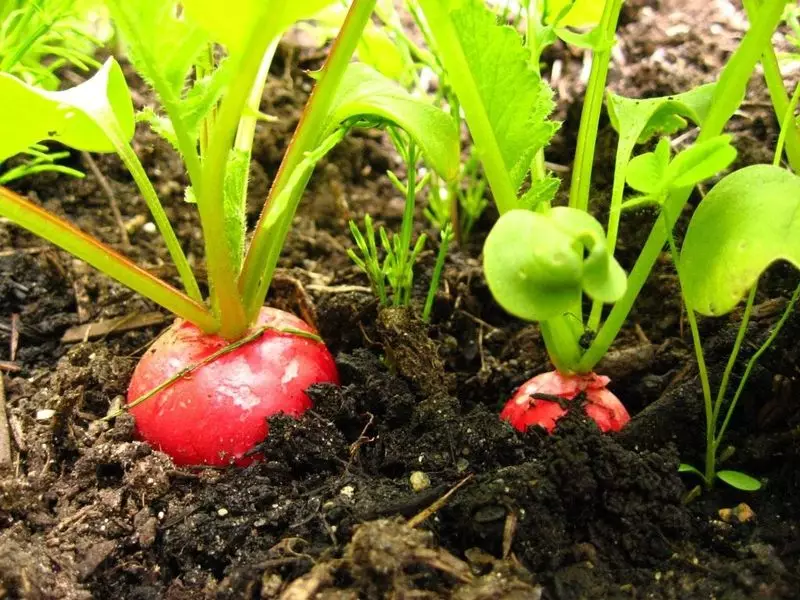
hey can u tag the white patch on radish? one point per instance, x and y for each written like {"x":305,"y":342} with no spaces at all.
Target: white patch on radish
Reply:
{"x":290,"y":374}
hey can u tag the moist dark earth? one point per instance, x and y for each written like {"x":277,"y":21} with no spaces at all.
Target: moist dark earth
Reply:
{"x":402,"y":483}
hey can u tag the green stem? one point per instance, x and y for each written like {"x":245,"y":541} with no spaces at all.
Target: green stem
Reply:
{"x":727,"y":98}
{"x":446,"y":238}
{"x":134,"y":166}
{"x":407,"y":226}
{"x":247,"y":125}
{"x":787,"y":124}
{"x":462,"y":81}
{"x":256,"y":269}
{"x":102,"y":257}
{"x":711,"y":454}
{"x":752,"y":363}
{"x":737,"y":346}
{"x":561,"y":343}
{"x":623,"y":157}
{"x":593,"y":105}
{"x":777,"y":92}
{"x":221,"y":272}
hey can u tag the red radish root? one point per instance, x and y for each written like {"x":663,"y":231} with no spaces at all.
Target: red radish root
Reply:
{"x":530,"y":405}
{"x":218,"y":412}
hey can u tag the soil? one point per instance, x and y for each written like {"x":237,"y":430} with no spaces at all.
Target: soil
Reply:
{"x":401,"y":483}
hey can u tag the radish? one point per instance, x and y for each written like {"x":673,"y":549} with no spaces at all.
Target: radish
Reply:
{"x":219,"y":412}
{"x":205,"y":390}
{"x":546,"y":398}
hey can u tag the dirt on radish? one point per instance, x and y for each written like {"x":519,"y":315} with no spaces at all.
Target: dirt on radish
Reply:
{"x":337,"y":508}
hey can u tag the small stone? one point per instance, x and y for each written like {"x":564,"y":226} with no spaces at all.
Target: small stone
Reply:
{"x":222,"y":512}
{"x":149,"y":227}
{"x":741,"y":513}
{"x":45,"y":414}
{"x":419,"y":481}
{"x":347,"y":491}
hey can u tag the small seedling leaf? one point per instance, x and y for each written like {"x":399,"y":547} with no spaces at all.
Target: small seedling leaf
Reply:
{"x":636,"y":121}
{"x":365,"y":92}
{"x":686,"y":468}
{"x":700,"y":161}
{"x":749,"y":220}
{"x":535,"y":264}
{"x":646,"y":172}
{"x":79,"y":117}
{"x":739,"y":480}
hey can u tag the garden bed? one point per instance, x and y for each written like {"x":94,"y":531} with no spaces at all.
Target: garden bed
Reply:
{"x":402,"y":483}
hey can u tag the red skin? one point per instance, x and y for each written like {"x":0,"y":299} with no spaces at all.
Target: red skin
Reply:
{"x":217,"y":413}
{"x":523,"y":411}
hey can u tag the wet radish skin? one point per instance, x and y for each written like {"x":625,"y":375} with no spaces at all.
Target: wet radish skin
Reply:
{"x":602,"y":406}
{"x":219,"y":412}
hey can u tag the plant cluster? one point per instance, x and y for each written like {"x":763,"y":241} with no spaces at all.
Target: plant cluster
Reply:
{"x":553,"y":264}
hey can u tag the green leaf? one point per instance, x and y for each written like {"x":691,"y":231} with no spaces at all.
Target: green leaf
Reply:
{"x":636,"y":121}
{"x":740,"y":481}
{"x":541,"y":193}
{"x":749,"y":220}
{"x":535,"y":264}
{"x":647,"y":171}
{"x":584,"y":13}
{"x":224,"y":22}
{"x":516,"y":100}
{"x":505,"y":102}
{"x":686,"y":468}
{"x":78,"y":117}
{"x":365,"y":92}
{"x":701,"y":161}
{"x":162,"y":45}
{"x":160,"y":125}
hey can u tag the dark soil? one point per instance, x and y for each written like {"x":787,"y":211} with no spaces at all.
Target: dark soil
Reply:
{"x":403,"y":483}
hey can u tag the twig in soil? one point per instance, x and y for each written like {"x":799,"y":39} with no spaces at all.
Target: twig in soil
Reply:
{"x":15,"y":251}
{"x":362,"y":439}
{"x":9,"y":367}
{"x":509,"y":531}
{"x":83,"y":333}
{"x":338,"y":289}
{"x":112,"y":199}
{"x":305,"y":304}
{"x":437,"y":506}
{"x":5,"y":431}
{"x":14,"y":344}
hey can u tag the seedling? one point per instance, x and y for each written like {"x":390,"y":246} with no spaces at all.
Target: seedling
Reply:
{"x":748,"y":221}
{"x":542,"y":261}
{"x":246,"y":362}
{"x":395,"y":272}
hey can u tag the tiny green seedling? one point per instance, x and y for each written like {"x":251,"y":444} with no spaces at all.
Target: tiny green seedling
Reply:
{"x":396,"y":271}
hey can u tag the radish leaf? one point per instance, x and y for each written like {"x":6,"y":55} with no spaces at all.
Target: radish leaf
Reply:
{"x":538,"y":264}
{"x":749,"y":220}
{"x":505,"y":102}
{"x":365,"y":92}
{"x":91,"y":116}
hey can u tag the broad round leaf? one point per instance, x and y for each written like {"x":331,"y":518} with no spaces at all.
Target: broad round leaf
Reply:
{"x":77,"y":117}
{"x":740,"y":481}
{"x":535,"y":264}
{"x":749,"y":220}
